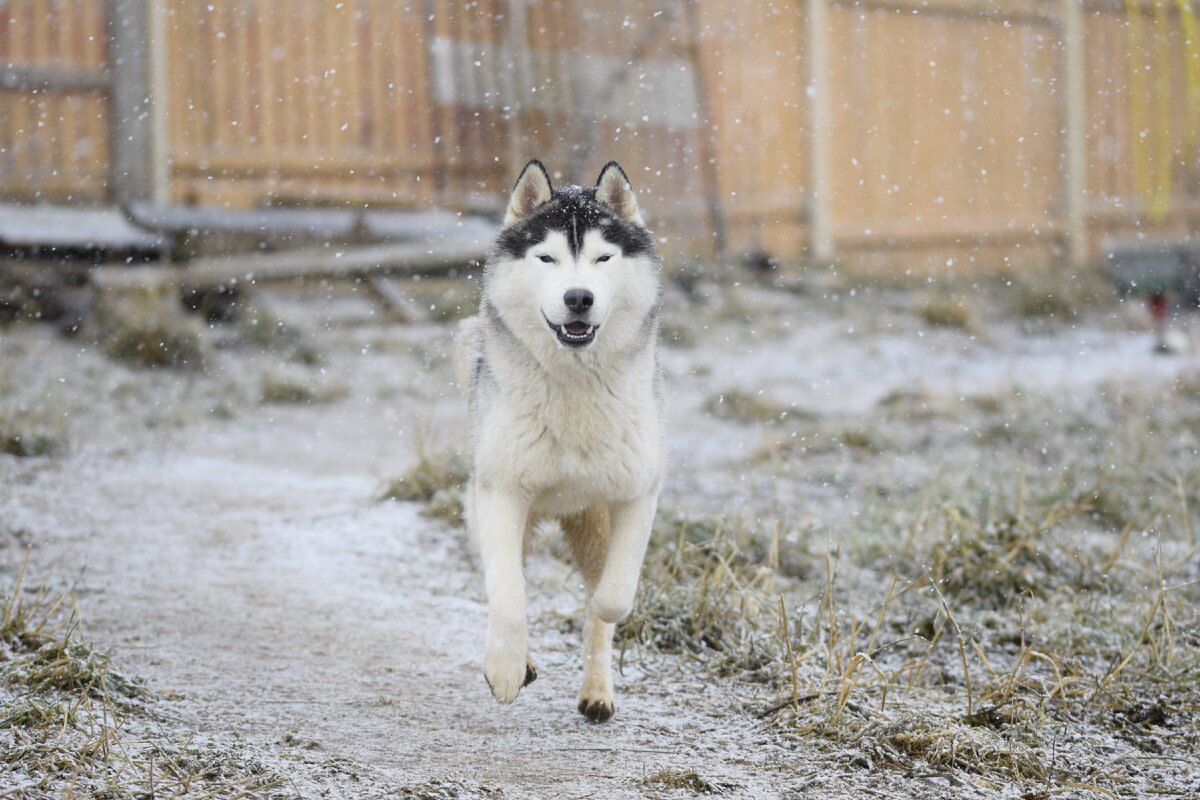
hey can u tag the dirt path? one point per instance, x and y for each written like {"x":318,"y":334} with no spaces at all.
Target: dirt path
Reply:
{"x":254,"y":574}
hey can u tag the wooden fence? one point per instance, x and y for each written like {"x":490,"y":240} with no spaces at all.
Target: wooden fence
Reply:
{"x":54,"y":82}
{"x":893,"y":133}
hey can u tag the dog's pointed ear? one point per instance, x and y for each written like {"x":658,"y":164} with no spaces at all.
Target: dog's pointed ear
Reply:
{"x":532,"y":190}
{"x":614,"y":190}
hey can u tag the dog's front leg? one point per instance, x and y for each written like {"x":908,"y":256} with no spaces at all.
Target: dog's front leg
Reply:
{"x":631,"y":523}
{"x":501,"y":520}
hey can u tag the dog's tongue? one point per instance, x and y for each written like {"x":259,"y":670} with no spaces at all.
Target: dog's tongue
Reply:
{"x":576,"y":328}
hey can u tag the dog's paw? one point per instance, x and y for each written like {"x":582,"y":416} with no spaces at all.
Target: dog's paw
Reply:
{"x":506,"y":669}
{"x":596,"y":696}
{"x":598,"y":708}
{"x":530,"y":672}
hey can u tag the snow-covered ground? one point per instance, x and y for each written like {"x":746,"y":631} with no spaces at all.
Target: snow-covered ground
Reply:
{"x":236,"y":554}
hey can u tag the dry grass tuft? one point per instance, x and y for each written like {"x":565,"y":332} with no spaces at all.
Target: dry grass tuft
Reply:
{"x":438,"y":480}
{"x":946,"y":311}
{"x":950,"y":744}
{"x":295,"y":387}
{"x":1051,"y":295}
{"x":683,"y":780}
{"x":154,"y":344}
{"x":991,"y":563}
{"x":446,"y":299}
{"x":444,"y":789}
{"x":27,"y":445}
{"x":257,"y":325}
{"x":705,"y":594}
{"x":677,"y":333}
{"x":736,"y":405}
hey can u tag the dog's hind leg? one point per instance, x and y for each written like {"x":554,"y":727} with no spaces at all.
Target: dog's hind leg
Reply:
{"x":587,"y":533}
{"x":502,"y":520}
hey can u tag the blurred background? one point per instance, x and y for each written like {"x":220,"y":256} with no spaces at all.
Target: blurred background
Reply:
{"x":891,"y":134}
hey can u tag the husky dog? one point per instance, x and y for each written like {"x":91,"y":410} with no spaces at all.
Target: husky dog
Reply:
{"x":565,"y":411}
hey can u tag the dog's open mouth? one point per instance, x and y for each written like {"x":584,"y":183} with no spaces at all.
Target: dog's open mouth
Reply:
{"x":574,"y":334}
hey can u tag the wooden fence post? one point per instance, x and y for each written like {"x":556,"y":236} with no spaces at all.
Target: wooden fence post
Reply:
{"x":706,"y":140}
{"x":1075,"y":133}
{"x":159,"y":153}
{"x":128,"y":38}
{"x":820,"y":231}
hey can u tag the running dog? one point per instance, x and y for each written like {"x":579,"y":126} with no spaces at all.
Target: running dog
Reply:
{"x":565,"y":409}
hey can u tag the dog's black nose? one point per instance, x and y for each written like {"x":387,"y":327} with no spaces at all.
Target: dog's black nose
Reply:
{"x":578,"y":300}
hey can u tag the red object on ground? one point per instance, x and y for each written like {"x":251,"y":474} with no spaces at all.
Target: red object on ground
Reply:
{"x":1158,"y":307}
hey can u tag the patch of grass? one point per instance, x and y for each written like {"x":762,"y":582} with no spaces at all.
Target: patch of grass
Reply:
{"x":47,"y":658}
{"x":704,"y":594}
{"x":445,"y":299}
{"x":70,"y":721}
{"x":154,"y":344}
{"x":846,"y":436}
{"x":683,"y":780}
{"x":70,"y":667}
{"x":282,"y":391}
{"x":995,"y":562}
{"x":447,"y":505}
{"x":258,"y":325}
{"x":27,"y":445}
{"x":1034,"y":302}
{"x":946,"y":311}
{"x":677,"y":334}
{"x":1010,"y":615}
{"x":948,"y":743}
{"x":743,"y":407}
{"x":296,"y":388}
{"x":438,"y":480}
{"x":446,"y":789}
{"x":38,"y":713}
{"x":1056,"y":294}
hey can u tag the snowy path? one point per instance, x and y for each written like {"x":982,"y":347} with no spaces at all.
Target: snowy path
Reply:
{"x":252,"y":572}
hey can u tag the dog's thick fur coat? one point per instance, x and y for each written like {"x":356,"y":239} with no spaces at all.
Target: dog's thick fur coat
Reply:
{"x":565,"y":411}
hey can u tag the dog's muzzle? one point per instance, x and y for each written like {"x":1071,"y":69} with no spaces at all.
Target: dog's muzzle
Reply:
{"x":575,"y":335}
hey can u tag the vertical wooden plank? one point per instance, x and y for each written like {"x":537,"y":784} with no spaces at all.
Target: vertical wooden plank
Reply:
{"x":132,"y":140}
{"x":69,"y":133}
{"x":237,"y":63}
{"x":268,"y":31}
{"x":306,"y":109}
{"x":217,"y":52}
{"x":707,"y":146}
{"x":820,"y":233}
{"x":97,"y":110}
{"x":158,"y":88}
{"x":1074,"y":133}
{"x":420,"y":131}
{"x":187,"y":105}
{"x":7,"y":136}
{"x":331,"y":111}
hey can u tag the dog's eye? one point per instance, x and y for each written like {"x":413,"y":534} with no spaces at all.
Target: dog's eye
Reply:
{"x":546,"y":259}
{"x":602,"y":259}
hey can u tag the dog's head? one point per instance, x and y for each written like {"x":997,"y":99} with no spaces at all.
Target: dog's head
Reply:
{"x":574,"y":266}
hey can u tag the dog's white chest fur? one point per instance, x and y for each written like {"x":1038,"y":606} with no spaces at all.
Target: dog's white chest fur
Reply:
{"x":573,"y":438}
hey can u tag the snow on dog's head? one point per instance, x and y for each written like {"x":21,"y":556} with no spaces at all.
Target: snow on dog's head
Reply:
{"x":574,"y":266}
